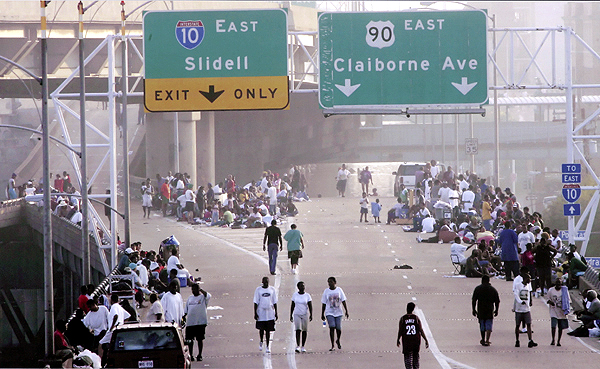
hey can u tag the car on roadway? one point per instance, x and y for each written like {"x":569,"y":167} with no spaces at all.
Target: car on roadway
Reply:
{"x":406,"y":174}
{"x":148,"y":345}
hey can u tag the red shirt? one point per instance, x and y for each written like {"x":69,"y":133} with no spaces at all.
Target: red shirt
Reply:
{"x":58,"y":185}
{"x":81,"y":301}
{"x":527,"y":258}
{"x":165,"y":190}
{"x":60,"y":342}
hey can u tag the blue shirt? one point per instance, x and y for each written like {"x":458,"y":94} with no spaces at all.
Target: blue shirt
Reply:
{"x":375,"y":207}
{"x":508,"y":241}
{"x":293,"y":237}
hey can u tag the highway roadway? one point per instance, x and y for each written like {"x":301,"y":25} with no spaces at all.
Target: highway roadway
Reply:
{"x":362,"y":257}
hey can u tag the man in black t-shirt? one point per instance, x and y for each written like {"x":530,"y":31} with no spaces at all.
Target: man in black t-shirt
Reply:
{"x":411,"y":331}
{"x":485,"y":303}
{"x":273,"y":239}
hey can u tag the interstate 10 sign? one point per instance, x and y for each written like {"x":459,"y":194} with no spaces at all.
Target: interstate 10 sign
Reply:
{"x":403,"y":59}
{"x":215,"y":60}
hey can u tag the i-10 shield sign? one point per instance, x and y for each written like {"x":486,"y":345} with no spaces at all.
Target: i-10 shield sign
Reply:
{"x":571,"y":192}
{"x":189,"y":33}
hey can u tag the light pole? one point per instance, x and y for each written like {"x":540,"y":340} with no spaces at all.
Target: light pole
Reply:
{"x":496,"y":111}
{"x":47,"y":220}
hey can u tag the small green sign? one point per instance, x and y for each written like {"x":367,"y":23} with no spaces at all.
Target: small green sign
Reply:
{"x":403,"y":59}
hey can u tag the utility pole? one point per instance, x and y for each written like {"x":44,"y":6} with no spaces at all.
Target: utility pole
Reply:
{"x":47,"y":220}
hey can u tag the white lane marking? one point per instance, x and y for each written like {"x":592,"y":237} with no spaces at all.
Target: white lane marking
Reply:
{"x":442,"y":359}
{"x":267,"y":364}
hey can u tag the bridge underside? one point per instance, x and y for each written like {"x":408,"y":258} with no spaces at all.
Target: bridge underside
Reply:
{"x":22,"y":282}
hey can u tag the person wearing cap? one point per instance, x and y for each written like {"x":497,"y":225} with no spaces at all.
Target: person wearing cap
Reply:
{"x":517,"y":213}
{"x":124,"y":261}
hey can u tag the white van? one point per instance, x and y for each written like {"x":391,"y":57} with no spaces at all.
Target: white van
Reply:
{"x":406,"y":174}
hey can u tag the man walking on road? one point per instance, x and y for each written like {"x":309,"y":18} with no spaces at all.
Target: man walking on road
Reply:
{"x":523,"y":303}
{"x":272,"y":239}
{"x":195,"y":311}
{"x":265,"y":311}
{"x":332,"y":299}
{"x":410,"y":332}
{"x":485,"y":303}
{"x":300,"y":314}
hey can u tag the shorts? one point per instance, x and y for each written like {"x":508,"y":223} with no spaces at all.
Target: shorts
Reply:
{"x":266,"y":325}
{"x":523,"y":317}
{"x":301,"y":322}
{"x":146,"y":201}
{"x":189,"y":206}
{"x":364,"y":211}
{"x":195,"y":331}
{"x":561,"y":323}
{"x":486,"y":324}
{"x":334,"y":321}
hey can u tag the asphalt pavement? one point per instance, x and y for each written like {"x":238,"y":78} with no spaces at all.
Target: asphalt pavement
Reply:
{"x":362,"y":257}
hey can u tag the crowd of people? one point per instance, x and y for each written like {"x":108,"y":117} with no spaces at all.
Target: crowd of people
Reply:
{"x":140,"y":276}
{"x":226,"y":203}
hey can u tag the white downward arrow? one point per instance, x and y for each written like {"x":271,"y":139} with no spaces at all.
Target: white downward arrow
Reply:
{"x":347,"y":88}
{"x":464,"y":87}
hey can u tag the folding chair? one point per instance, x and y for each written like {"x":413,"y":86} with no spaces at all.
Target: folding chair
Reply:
{"x":456,"y":263}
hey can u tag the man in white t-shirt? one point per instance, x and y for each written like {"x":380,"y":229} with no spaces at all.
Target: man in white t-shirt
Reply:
{"x":523,"y":238}
{"x":174,"y":263}
{"x":444,"y":193}
{"x":272,"y":194}
{"x":196,"y":322}
{"x":454,"y":197}
{"x":172,"y":304}
{"x":428,"y":224}
{"x":96,"y":320}
{"x":331,"y":309}
{"x":265,"y":311}
{"x":156,"y":313}
{"x":342,"y":178}
{"x":523,"y":302}
{"x":116,"y":317}
{"x":459,"y":249}
{"x":301,"y":314}
{"x":468,"y":197}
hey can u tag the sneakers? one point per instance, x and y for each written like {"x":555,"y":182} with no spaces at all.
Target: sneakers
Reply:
{"x":419,"y":239}
{"x":531,"y":344}
{"x":260,"y":345}
{"x":297,"y":349}
{"x":199,"y":358}
{"x":304,"y":350}
{"x":268,"y":350}
{"x":523,"y":330}
{"x":517,"y":344}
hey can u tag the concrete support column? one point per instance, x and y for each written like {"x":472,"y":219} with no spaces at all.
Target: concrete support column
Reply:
{"x":205,"y":153}
{"x":187,"y":144}
{"x":160,"y":147}
{"x":159,"y":144}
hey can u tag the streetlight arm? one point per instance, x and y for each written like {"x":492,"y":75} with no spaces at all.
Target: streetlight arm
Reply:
{"x":39,"y":79}
{"x":40,"y":132}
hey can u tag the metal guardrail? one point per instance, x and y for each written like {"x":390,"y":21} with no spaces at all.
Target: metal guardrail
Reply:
{"x":102,"y":289}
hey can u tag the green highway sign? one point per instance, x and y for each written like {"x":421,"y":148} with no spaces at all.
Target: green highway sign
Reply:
{"x":215,"y":60}
{"x":403,"y":59}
